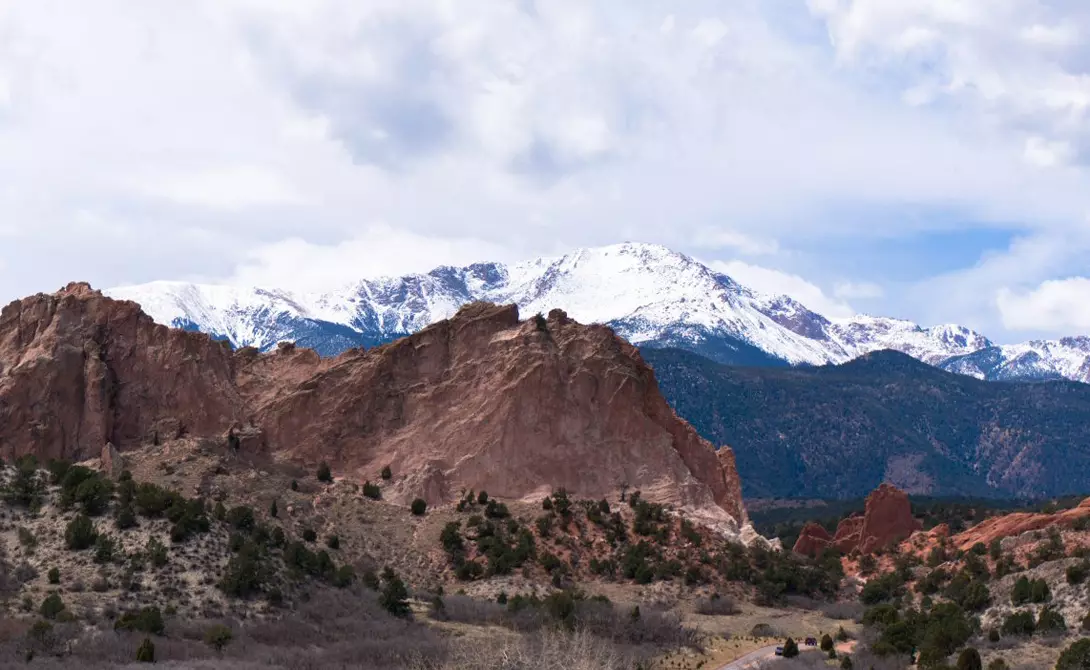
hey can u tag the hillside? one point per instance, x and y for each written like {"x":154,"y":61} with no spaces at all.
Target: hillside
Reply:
{"x":838,"y":431}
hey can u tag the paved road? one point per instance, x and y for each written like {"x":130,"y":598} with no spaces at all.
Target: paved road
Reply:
{"x":750,"y":660}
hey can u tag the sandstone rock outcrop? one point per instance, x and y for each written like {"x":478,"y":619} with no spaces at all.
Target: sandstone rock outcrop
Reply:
{"x":479,"y":401}
{"x":886,"y":521}
{"x":1011,"y":525}
{"x":813,"y":540}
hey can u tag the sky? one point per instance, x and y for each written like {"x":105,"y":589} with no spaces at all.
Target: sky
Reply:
{"x":927,"y":160}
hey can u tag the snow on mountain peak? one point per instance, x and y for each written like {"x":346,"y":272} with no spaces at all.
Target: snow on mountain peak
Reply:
{"x":650,"y":294}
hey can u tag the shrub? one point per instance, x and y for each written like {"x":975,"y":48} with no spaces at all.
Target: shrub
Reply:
{"x":482,"y":498}
{"x":993,"y":635}
{"x":1021,"y":592}
{"x":26,"y":538}
{"x":790,"y":649}
{"x":846,"y":663}
{"x":333,"y":542}
{"x":998,"y":664}
{"x":219,"y":512}
{"x":1019,"y":623}
{"x":54,"y":575}
{"x":1075,"y":657}
{"x":241,"y":517}
{"x":1039,"y":592}
{"x":372,"y":491}
{"x":419,"y":507}
{"x":394,"y":597}
{"x":245,"y":573}
{"x":272,"y":510}
{"x":324,"y":475}
{"x":80,"y":533}
{"x":156,"y":552}
{"x":218,"y":637}
{"x":126,"y":517}
{"x":104,"y":549}
{"x":969,"y":658}
{"x":386,"y":474}
{"x":841,"y":634}
{"x":145,"y":653}
{"x":51,"y":606}
{"x":25,"y":487}
{"x":344,"y":576}
{"x":309,"y":535}
{"x":294,"y":485}
{"x":1076,"y":574}
{"x":1050,"y":621}
{"x":145,"y":620}
{"x":826,"y":642}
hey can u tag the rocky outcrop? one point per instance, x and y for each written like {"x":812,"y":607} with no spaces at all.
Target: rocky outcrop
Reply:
{"x":813,"y":540}
{"x":78,"y":370}
{"x":886,"y":521}
{"x":481,"y":401}
{"x":1011,"y":525}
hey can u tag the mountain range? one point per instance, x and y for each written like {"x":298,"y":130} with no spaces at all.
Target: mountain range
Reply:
{"x":838,"y":431}
{"x":650,"y":295}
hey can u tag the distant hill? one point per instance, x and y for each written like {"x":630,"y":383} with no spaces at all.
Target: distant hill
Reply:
{"x":838,"y":431}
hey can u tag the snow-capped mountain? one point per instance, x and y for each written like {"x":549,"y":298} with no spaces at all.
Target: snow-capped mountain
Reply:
{"x":652,"y":296}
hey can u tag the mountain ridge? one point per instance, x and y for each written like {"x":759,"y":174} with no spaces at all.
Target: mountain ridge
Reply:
{"x":841,"y":430}
{"x":650,"y":295}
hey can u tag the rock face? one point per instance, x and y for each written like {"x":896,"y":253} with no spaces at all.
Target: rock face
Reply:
{"x":813,"y":540}
{"x":886,"y":521}
{"x":479,"y":401}
{"x":1010,"y":525}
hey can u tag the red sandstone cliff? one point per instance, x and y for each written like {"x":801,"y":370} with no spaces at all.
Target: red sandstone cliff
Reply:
{"x":886,"y":521}
{"x":480,"y":401}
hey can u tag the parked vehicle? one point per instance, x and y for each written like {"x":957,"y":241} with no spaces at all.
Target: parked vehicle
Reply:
{"x":779,"y":651}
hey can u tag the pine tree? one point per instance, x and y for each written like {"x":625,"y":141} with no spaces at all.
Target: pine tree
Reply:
{"x":790,"y":649}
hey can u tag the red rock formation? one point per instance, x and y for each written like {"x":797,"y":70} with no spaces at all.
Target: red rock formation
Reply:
{"x":813,"y":540}
{"x":1010,"y":525}
{"x":887,"y":520}
{"x":849,"y":534}
{"x":480,"y":401}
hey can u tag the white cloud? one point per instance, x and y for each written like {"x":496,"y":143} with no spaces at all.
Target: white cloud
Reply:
{"x":775,"y":282}
{"x":742,"y":243}
{"x":204,"y":130}
{"x":231,"y":188}
{"x":858,"y":291}
{"x":1043,"y":153}
{"x":1056,"y":305}
{"x":378,"y":251}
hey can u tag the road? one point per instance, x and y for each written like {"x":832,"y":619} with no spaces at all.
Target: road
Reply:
{"x":750,"y":659}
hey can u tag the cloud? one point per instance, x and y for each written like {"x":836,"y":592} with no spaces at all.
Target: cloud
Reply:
{"x":379,"y":251}
{"x":261,"y":139}
{"x":775,"y":282}
{"x":231,"y":188}
{"x":1054,"y":305}
{"x":858,"y":291}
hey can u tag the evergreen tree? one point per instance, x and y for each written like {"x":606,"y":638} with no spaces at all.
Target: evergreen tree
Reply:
{"x":790,"y":649}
